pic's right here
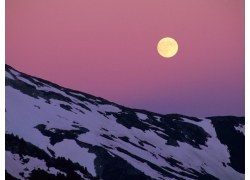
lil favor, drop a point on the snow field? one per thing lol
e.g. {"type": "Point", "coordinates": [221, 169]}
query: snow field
{"type": "Point", "coordinates": [14, 165]}
{"type": "Point", "coordinates": [21, 112]}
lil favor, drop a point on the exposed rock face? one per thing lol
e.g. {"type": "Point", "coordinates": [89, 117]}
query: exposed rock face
{"type": "Point", "coordinates": [57, 133]}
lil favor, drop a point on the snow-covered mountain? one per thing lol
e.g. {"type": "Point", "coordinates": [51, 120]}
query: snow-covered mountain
{"type": "Point", "coordinates": [52, 132]}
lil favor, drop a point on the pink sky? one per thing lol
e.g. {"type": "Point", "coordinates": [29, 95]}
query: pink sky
{"type": "Point", "coordinates": [109, 49]}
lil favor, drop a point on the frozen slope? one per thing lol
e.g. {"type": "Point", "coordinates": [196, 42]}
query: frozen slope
{"type": "Point", "coordinates": [110, 141]}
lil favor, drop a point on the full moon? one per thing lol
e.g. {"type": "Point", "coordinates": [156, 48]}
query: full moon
{"type": "Point", "coordinates": [167, 47]}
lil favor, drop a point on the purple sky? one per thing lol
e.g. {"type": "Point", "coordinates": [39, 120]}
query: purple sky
{"type": "Point", "coordinates": [109, 49]}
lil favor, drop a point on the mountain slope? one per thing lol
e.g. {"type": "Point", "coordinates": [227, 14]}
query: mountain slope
{"type": "Point", "coordinates": [69, 134]}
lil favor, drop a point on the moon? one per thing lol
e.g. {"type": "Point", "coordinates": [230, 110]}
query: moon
{"type": "Point", "coordinates": [167, 47]}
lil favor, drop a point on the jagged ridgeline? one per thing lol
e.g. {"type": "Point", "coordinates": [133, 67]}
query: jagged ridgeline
{"type": "Point", "coordinates": [54, 132]}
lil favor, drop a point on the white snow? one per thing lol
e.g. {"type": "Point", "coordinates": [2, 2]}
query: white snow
{"type": "Point", "coordinates": [109, 108]}
{"type": "Point", "coordinates": [151, 125]}
{"type": "Point", "coordinates": [69, 149]}
{"type": "Point", "coordinates": [139, 165]}
{"type": "Point", "coordinates": [240, 128]}
{"type": "Point", "coordinates": [79, 172]}
{"type": "Point", "coordinates": [215, 149]}
{"type": "Point", "coordinates": [78, 94]}
{"type": "Point", "coordinates": [36, 80]}
{"type": "Point", "coordinates": [111, 154]}
{"type": "Point", "coordinates": [14, 72]}
{"type": "Point", "coordinates": [14, 166]}
{"type": "Point", "coordinates": [142, 116]}
{"type": "Point", "coordinates": [26, 81]}
{"type": "Point", "coordinates": [49, 88]}
{"type": "Point", "coordinates": [22, 113]}
{"type": "Point", "coordinates": [54, 171]}
{"type": "Point", "coordinates": [158, 118]}
{"type": "Point", "coordinates": [19, 114]}
{"type": "Point", "coordinates": [160, 132]}
{"type": "Point", "coordinates": [8, 75]}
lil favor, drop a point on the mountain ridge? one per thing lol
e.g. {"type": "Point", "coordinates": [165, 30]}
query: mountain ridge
{"type": "Point", "coordinates": [142, 144]}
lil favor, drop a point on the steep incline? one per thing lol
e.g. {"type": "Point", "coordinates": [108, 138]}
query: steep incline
{"type": "Point", "coordinates": [69, 134]}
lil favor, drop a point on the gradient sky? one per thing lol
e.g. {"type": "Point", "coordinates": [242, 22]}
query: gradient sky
{"type": "Point", "coordinates": [109, 49]}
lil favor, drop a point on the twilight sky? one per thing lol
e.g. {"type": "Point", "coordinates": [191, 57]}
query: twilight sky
{"type": "Point", "coordinates": [109, 49]}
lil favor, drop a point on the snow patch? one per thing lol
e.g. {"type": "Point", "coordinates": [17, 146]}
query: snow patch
{"type": "Point", "coordinates": [78, 94]}
{"type": "Point", "coordinates": [69, 149]}
{"type": "Point", "coordinates": [14, 72]}
{"type": "Point", "coordinates": [26, 81]}
{"type": "Point", "coordinates": [142, 116]}
{"type": "Point", "coordinates": [157, 118]}
{"type": "Point", "coordinates": [14, 165]}
{"type": "Point", "coordinates": [79, 172]}
{"type": "Point", "coordinates": [109, 108]}
{"type": "Point", "coordinates": [22, 105]}
{"type": "Point", "coordinates": [214, 149]}
{"type": "Point", "coordinates": [240, 128]}
{"type": "Point", "coordinates": [8, 75]}
{"type": "Point", "coordinates": [110, 154]}
{"type": "Point", "coordinates": [54, 171]}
